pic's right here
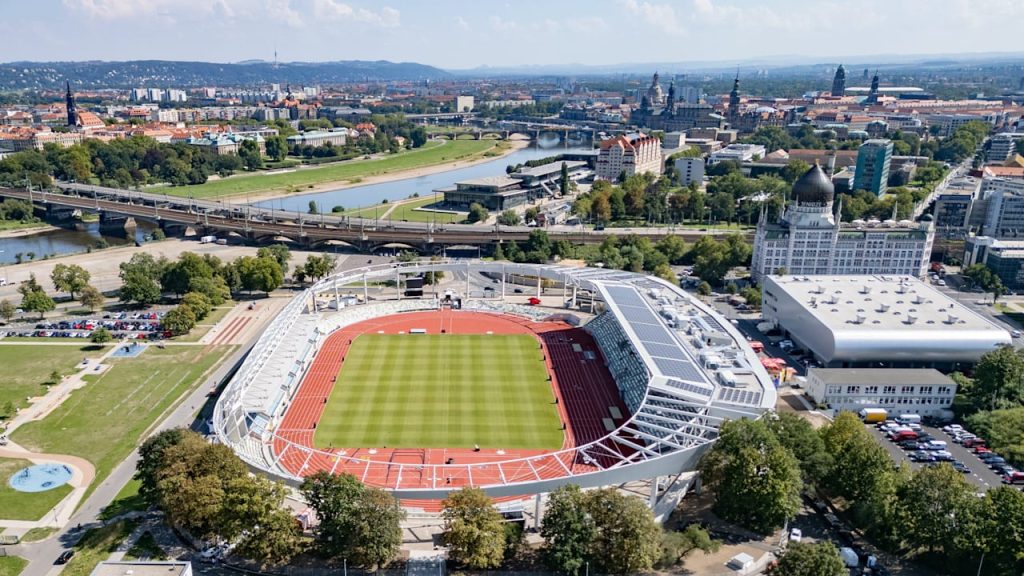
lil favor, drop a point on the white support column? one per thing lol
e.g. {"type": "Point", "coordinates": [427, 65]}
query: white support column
{"type": "Point", "coordinates": [366, 290]}
{"type": "Point", "coordinates": [398, 284]}
{"type": "Point", "coordinates": [467, 281]}
{"type": "Point", "coordinates": [536, 511]}
{"type": "Point", "coordinates": [654, 492]}
{"type": "Point", "coordinates": [538, 285]}
{"type": "Point", "coordinates": [502, 282]}
{"type": "Point", "coordinates": [574, 288]}
{"type": "Point", "coordinates": [337, 299]}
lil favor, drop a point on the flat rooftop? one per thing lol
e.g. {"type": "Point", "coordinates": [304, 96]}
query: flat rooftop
{"type": "Point", "coordinates": [550, 168]}
{"type": "Point", "coordinates": [141, 568]}
{"type": "Point", "coordinates": [895, 376]}
{"type": "Point", "coordinates": [891, 303]}
{"type": "Point", "coordinates": [499, 181]}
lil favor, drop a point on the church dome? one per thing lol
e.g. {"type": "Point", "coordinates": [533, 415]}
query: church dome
{"type": "Point", "coordinates": [814, 187]}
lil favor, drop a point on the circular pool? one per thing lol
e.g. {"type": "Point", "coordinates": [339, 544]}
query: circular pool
{"type": "Point", "coordinates": [40, 478]}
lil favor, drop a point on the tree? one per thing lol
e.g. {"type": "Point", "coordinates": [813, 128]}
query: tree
{"type": "Point", "coordinates": [249, 152]}
{"type": "Point", "coordinates": [676, 545]}
{"type": "Point", "coordinates": [215, 288]}
{"type": "Point", "coordinates": [998, 378]}
{"type": "Point", "coordinates": [278, 252]}
{"type": "Point", "coordinates": [499, 253]}
{"type": "Point", "coordinates": [7, 310]}
{"type": "Point", "coordinates": [999, 524]}
{"type": "Point", "coordinates": [818, 559]}
{"type": "Point", "coordinates": [263, 274]}
{"type": "Point", "coordinates": [252, 514]}
{"type": "Point", "coordinates": [794, 169]}
{"type": "Point", "coordinates": [91, 297]}
{"type": "Point", "coordinates": [100, 336]}
{"type": "Point", "coordinates": [313, 209]}
{"type": "Point", "coordinates": [177, 276]}
{"type": "Point", "coordinates": [335, 498]}
{"type": "Point", "coordinates": [936, 503]}
{"type": "Point", "coordinates": [378, 533]}
{"type": "Point", "coordinates": [673, 247]}
{"type": "Point", "coordinates": [1003, 431]}
{"type": "Point", "coordinates": [317, 267]}
{"type": "Point", "coordinates": [198, 303]}
{"type": "Point", "coordinates": [704, 289]}
{"type": "Point", "coordinates": [473, 529]}
{"type": "Point", "coordinates": [139, 278]}
{"type": "Point", "coordinates": [752, 296]}
{"type": "Point", "coordinates": [179, 320]}
{"type": "Point", "coordinates": [755, 480]}
{"type": "Point", "coordinates": [664, 272]}
{"type": "Point", "coordinates": [861, 467]}
{"type": "Point", "coordinates": [627, 538]}
{"type": "Point", "coordinates": [37, 301]}
{"type": "Point", "coordinates": [477, 213]}
{"type": "Point", "coordinates": [151, 454]}
{"type": "Point", "coordinates": [567, 531]}
{"type": "Point", "coordinates": [277, 147]}
{"type": "Point", "coordinates": [711, 260]}
{"type": "Point", "coordinates": [69, 278]}
{"type": "Point", "coordinates": [509, 218]}
{"type": "Point", "coordinates": [803, 441]}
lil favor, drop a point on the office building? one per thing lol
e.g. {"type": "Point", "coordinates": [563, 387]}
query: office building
{"type": "Point", "coordinates": [628, 155]}
{"type": "Point", "coordinates": [873, 160]}
{"type": "Point", "coordinates": [953, 207]}
{"type": "Point", "coordinates": [1004, 198]}
{"type": "Point", "coordinates": [673, 140]}
{"type": "Point", "coordinates": [495, 193]}
{"type": "Point", "coordinates": [334, 137]}
{"type": "Point", "coordinates": [691, 170]}
{"type": "Point", "coordinates": [892, 320]}
{"type": "Point", "coordinates": [1003, 146]}
{"type": "Point", "coordinates": [1005, 258]}
{"type": "Point", "coordinates": [809, 240]}
{"type": "Point", "coordinates": [464, 103]}
{"type": "Point", "coordinates": [922, 391]}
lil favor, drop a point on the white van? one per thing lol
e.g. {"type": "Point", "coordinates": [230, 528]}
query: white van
{"type": "Point", "coordinates": [909, 418]}
{"type": "Point", "coordinates": [935, 445]}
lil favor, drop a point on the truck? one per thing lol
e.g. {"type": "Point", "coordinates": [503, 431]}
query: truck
{"type": "Point", "coordinates": [873, 415]}
{"type": "Point", "coordinates": [207, 239]}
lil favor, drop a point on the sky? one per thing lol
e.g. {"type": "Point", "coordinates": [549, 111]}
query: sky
{"type": "Point", "coordinates": [459, 34]}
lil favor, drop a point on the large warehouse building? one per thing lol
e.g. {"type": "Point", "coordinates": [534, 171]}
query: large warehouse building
{"type": "Point", "coordinates": [872, 321]}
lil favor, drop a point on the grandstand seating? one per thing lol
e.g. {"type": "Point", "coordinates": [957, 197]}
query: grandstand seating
{"type": "Point", "coordinates": [625, 366]}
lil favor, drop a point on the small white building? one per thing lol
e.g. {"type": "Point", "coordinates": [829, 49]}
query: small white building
{"type": "Point", "coordinates": [738, 152]}
{"type": "Point", "coordinates": [923, 391]}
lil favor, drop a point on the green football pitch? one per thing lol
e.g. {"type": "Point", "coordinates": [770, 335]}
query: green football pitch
{"type": "Point", "coordinates": [442, 391]}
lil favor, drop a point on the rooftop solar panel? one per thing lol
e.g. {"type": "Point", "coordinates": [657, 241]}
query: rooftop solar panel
{"type": "Point", "coordinates": [682, 369]}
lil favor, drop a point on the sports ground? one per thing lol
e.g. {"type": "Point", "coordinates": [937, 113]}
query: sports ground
{"type": "Point", "coordinates": [442, 391]}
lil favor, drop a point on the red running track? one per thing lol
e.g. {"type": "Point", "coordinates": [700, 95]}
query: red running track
{"type": "Point", "coordinates": [580, 380]}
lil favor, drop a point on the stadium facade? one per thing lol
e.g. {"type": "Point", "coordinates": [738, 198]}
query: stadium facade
{"type": "Point", "coordinates": [681, 370]}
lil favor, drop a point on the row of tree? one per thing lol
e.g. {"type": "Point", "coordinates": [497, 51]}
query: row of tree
{"type": "Point", "coordinates": [757, 469]}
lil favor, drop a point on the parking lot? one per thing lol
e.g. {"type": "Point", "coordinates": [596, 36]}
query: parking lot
{"type": "Point", "coordinates": [134, 325]}
{"type": "Point", "coordinates": [980, 474]}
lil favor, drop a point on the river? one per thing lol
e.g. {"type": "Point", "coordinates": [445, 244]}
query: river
{"type": "Point", "coordinates": [371, 194]}
{"type": "Point", "coordinates": [66, 241]}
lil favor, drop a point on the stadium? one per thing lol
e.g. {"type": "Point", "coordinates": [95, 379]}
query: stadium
{"type": "Point", "coordinates": [627, 379]}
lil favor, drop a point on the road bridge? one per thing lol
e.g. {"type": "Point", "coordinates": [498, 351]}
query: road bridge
{"type": "Point", "coordinates": [267, 225]}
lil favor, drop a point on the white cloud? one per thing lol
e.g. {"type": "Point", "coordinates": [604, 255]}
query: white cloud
{"type": "Point", "coordinates": [661, 16]}
{"type": "Point", "coordinates": [461, 23]}
{"type": "Point", "coordinates": [586, 24]}
{"type": "Point", "coordinates": [334, 10]}
{"type": "Point", "coordinates": [501, 25]}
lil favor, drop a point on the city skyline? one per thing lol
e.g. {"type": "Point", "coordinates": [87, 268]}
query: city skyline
{"type": "Point", "coordinates": [465, 35]}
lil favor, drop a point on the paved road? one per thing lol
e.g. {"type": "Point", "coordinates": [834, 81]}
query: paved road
{"type": "Point", "coordinates": [981, 475]}
{"type": "Point", "coordinates": [42, 554]}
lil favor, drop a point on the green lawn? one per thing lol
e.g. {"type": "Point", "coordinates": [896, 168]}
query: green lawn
{"type": "Point", "coordinates": [442, 391]}
{"type": "Point", "coordinates": [104, 421]}
{"type": "Point", "coordinates": [146, 549]}
{"type": "Point", "coordinates": [430, 154]}
{"type": "Point", "coordinates": [127, 500]}
{"type": "Point", "coordinates": [15, 505]}
{"type": "Point", "coordinates": [38, 534]}
{"type": "Point", "coordinates": [23, 369]}
{"type": "Point", "coordinates": [12, 565]}
{"type": "Point", "coordinates": [96, 546]}
{"type": "Point", "coordinates": [407, 210]}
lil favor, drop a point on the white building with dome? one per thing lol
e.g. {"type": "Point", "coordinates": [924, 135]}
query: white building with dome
{"type": "Point", "coordinates": [809, 239]}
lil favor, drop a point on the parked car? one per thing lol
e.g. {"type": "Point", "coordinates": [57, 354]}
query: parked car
{"type": "Point", "coordinates": [942, 456]}
{"type": "Point", "coordinates": [960, 467]}
{"type": "Point", "coordinates": [995, 463]}
{"type": "Point", "coordinates": [922, 456]}
{"type": "Point", "coordinates": [910, 445]}
{"type": "Point", "coordinates": [795, 535]}
{"type": "Point", "coordinates": [64, 557]}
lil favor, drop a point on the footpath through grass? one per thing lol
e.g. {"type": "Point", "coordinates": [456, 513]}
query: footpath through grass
{"type": "Point", "coordinates": [407, 210]}
{"type": "Point", "coordinates": [23, 369]}
{"type": "Point", "coordinates": [428, 155]}
{"type": "Point", "coordinates": [105, 420]}
{"type": "Point", "coordinates": [442, 391]}
{"type": "Point", "coordinates": [16, 505]}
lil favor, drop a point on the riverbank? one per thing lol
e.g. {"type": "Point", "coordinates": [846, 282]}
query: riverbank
{"type": "Point", "coordinates": [413, 164]}
{"type": "Point", "coordinates": [26, 229]}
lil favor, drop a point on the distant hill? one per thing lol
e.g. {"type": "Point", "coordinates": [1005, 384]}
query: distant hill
{"type": "Point", "coordinates": [162, 73]}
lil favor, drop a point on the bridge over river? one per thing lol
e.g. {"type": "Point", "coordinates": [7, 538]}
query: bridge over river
{"type": "Point", "coordinates": [118, 207]}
